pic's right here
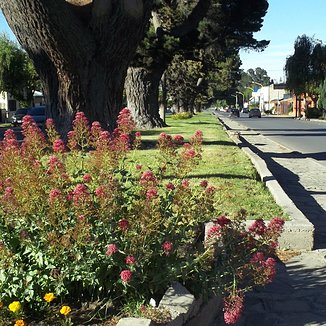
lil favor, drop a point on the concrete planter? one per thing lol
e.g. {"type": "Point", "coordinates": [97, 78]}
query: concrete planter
{"type": "Point", "coordinates": [184, 308]}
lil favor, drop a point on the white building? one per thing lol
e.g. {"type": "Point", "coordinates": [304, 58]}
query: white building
{"type": "Point", "coordinates": [8, 105]}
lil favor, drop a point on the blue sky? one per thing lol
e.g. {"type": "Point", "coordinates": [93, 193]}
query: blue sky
{"type": "Point", "coordinates": [283, 23]}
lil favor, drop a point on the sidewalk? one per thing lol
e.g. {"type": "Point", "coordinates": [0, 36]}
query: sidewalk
{"type": "Point", "coordinates": [297, 296]}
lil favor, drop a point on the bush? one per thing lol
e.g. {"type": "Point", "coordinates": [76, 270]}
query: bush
{"type": "Point", "coordinates": [181, 116]}
{"type": "Point", "coordinates": [83, 223]}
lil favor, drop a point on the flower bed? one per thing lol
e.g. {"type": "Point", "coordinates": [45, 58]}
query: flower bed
{"type": "Point", "coordinates": [88, 233]}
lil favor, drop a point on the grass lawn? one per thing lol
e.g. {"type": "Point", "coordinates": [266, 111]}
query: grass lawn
{"type": "Point", "coordinates": [224, 165]}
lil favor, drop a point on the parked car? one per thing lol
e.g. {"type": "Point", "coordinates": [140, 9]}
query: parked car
{"type": "Point", "coordinates": [254, 113]}
{"type": "Point", "coordinates": [235, 113]}
{"type": "Point", "coordinates": [38, 114]}
{"type": "Point", "coordinates": [17, 118]}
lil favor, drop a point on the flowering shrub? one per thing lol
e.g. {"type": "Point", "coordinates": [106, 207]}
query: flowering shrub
{"type": "Point", "coordinates": [81, 222]}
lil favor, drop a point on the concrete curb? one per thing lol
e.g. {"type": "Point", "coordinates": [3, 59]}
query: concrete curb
{"type": "Point", "coordinates": [298, 233]}
{"type": "Point", "coordinates": [184, 308]}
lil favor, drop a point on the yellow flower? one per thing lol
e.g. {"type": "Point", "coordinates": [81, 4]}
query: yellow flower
{"type": "Point", "coordinates": [15, 306]}
{"type": "Point", "coordinates": [20, 322]}
{"type": "Point", "coordinates": [65, 310]}
{"type": "Point", "coordinates": [48, 297]}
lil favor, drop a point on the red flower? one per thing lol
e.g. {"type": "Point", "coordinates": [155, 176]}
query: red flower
{"type": "Point", "coordinates": [126, 275]}
{"type": "Point", "coordinates": [123, 224]}
{"type": "Point", "coordinates": [185, 183]}
{"type": "Point", "coordinates": [58, 146]}
{"type": "Point", "coordinates": [147, 176]}
{"type": "Point", "coordinates": [111, 249]}
{"type": "Point", "coordinates": [167, 246]}
{"type": "Point", "coordinates": [178, 139]}
{"type": "Point", "coordinates": [54, 194]}
{"type": "Point", "coordinates": [100, 191]}
{"type": "Point", "coordinates": [223, 220]}
{"type": "Point", "coordinates": [214, 231]}
{"type": "Point", "coordinates": [138, 166]}
{"type": "Point", "coordinates": [170, 186]}
{"type": "Point", "coordinates": [87, 177]}
{"type": "Point", "coordinates": [189, 153]}
{"type": "Point", "coordinates": [130, 260]}
{"type": "Point", "coordinates": [276, 225]}
{"type": "Point", "coordinates": [203, 183]}
{"type": "Point", "coordinates": [80, 193]}
{"type": "Point", "coordinates": [210, 189]}
{"type": "Point", "coordinates": [151, 193]}
{"type": "Point", "coordinates": [233, 306]}
{"type": "Point", "coordinates": [258, 227]}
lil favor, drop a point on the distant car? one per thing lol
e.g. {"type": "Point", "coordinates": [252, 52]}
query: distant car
{"type": "Point", "coordinates": [254, 113]}
{"type": "Point", "coordinates": [17, 118]}
{"type": "Point", "coordinates": [38, 114]}
{"type": "Point", "coordinates": [235, 113]}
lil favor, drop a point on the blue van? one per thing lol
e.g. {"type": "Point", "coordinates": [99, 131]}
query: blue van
{"type": "Point", "coordinates": [38, 114]}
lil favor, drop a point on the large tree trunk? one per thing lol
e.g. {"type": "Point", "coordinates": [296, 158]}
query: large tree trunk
{"type": "Point", "coordinates": [81, 50]}
{"type": "Point", "coordinates": [142, 90]}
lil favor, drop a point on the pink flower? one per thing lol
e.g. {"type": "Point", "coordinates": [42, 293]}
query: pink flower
{"type": "Point", "coordinates": [257, 257]}
{"type": "Point", "coordinates": [167, 246]}
{"type": "Point", "coordinates": [80, 193]}
{"type": "Point", "coordinates": [9, 191]}
{"type": "Point", "coordinates": [87, 177]}
{"type": "Point", "coordinates": [54, 194]}
{"type": "Point", "coordinates": [138, 134]}
{"type": "Point", "coordinates": [130, 260]}
{"type": "Point", "coordinates": [111, 249]}
{"type": "Point", "coordinates": [178, 139]}
{"type": "Point", "coordinates": [100, 191]}
{"type": "Point", "coordinates": [214, 231]}
{"type": "Point", "coordinates": [151, 193]}
{"type": "Point", "coordinates": [222, 220]}
{"type": "Point", "coordinates": [210, 190]}
{"type": "Point", "coordinates": [58, 146]}
{"type": "Point", "coordinates": [203, 183]}
{"type": "Point", "coordinates": [126, 275]}
{"type": "Point", "coordinates": [233, 306]}
{"type": "Point", "coordinates": [49, 123]}
{"type": "Point", "coordinates": [125, 121]}
{"type": "Point", "coordinates": [271, 269]}
{"type": "Point", "coordinates": [185, 183]}
{"type": "Point", "coordinates": [96, 130]}
{"type": "Point", "coordinates": [138, 166]}
{"type": "Point", "coordinates": [105, 135]}
{"type": "Point", "coordinates": [123, 224]}
{"type": "Point", "coordinates": [170, 186]}
{"type": "Point", "coordinates": [189, 153]}
{"type": "Point", "coordinates": [147, 176]}
{"type": "Point", "coordinates": [258, 227]}
{"type": "Point", "coordinates": [276, 225]}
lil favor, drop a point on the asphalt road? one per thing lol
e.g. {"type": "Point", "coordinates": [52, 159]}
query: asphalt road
{"type": "Point", "coordinates": [306, 137]}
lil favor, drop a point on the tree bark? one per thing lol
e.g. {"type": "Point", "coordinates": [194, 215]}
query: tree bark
{"type": "Point", "coordinates": [142, 90]}
{"type": "Point", "coordinates": [81, 50]}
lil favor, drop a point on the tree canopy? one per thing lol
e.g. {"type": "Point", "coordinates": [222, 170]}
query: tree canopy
{"type": "Point", "coordinates": [17, 74]}
{"type": "Point", "coordinates": [195, 30]}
